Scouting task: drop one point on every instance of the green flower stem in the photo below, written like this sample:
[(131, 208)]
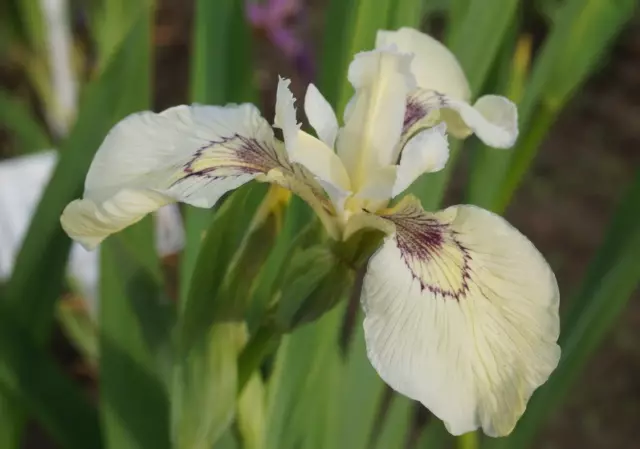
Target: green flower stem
[(263, 343), (468, 441)]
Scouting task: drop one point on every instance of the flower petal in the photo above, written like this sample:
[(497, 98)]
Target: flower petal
[(89, 223), (320, 115), (494, 119), (194, 154), (369, 138), (426, 152), (461, 315), (305, 149), (433, 65)]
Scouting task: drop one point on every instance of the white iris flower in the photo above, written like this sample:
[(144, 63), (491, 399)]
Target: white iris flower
[(461, 310)]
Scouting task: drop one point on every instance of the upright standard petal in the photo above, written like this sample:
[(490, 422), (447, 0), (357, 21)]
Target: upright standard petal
[(372, 131), (433, 65), (461, 314), (444, 86), (305, 149), (321, 116), (190, 154)]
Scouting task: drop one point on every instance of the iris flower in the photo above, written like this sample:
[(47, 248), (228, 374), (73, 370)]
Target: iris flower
[(461, 310)]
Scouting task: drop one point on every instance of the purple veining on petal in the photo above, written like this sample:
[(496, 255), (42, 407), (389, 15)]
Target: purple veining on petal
[(414, 111), (240, 154), (421, 240)]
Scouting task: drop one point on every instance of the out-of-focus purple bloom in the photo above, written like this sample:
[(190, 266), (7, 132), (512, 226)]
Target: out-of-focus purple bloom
[(277, 18)]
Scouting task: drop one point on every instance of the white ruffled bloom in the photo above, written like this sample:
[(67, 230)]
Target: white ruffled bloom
[(461, 310)]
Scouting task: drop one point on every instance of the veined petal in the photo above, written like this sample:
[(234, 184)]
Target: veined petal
[(370, 136), (433, 65), (494, 119), (461, 314), (305, 149), (426, 152), (193, 154), (320, 115)]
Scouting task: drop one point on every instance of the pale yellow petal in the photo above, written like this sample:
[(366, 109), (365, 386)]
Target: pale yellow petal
[(433, 64), (461, 315), (370, 136)]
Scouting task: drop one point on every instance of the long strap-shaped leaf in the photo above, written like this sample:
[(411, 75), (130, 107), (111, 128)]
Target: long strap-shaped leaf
[(582, 32), (221, 72), (39, 269)]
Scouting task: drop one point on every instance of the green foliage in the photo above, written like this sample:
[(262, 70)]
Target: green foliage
[(210, 331), (221, 72), (19, 122)]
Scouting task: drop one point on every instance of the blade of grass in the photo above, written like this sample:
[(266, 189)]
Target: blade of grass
[(205, 367), (28, 376), (396, 424), (221, 72), (362, 392), (405, 13), (582, 33), (351, 28), (490, 165), (135, 317), (292, 390), (43, 255), (133, 342), (21, 125)]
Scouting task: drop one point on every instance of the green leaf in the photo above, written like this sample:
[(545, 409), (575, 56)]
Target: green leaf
[(17, 119), (405, 13), (351, 28), (396, 424), (314, 282), (434, 435), (205, 389), (303, 359), (135, 325), (210, 330), (40, 265), (581, 34), (362, 391), (221, 72), (29, 377)]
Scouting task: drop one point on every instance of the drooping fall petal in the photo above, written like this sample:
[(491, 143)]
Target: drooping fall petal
[(192, 154), (461, 314)]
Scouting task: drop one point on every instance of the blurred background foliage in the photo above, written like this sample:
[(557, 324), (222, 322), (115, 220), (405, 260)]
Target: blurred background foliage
[(189, 351)]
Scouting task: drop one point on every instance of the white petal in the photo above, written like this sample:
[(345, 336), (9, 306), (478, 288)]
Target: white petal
[(305, 149), (320, 115), (285, 118), (368, 141), (433, 65), (494, 119), (89, 223), (191, 154), (461, 315), (426, 152)]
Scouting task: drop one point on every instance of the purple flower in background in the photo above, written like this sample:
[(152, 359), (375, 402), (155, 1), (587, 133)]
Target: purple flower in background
[(277, 18)]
